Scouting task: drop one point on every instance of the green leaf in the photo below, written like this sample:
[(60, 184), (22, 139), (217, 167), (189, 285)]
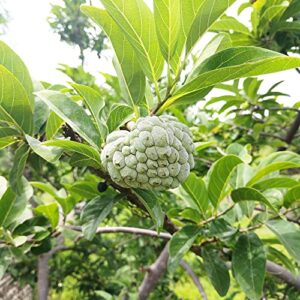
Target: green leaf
[(73, 114), (50, 211), (5, 261), (13, 63), (54, 122), (275, 162), (50, 154), (8, 132), (93, 101), (136, 21), (94, 213), (13, 205), (151, 203), (180, 244), (208, 12), (16, 172), (15, 105), (7, 141), (131, 76), (229, 24), (219, 176), (288, 234), (216, 270), (83, 149), (86, 190), (167, 22), (196, 188), (275, 182), (249, 265), (250, 194), (278, 255), (218, 43), (119, 115), (229, 64), (203, 145), (292, 196), (45, 187)]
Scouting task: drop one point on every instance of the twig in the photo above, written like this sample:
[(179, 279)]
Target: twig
[(195, 279), (132, 230), (154, 273)]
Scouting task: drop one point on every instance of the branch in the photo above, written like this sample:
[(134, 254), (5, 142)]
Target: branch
[(195, 279), (283, 274), (293, 130), (154, 272), (131, 230)]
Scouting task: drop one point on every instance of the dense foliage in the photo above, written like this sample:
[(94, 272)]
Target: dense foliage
[(233, 223)]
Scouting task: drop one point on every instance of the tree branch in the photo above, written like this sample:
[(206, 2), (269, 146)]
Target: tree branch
[(195, 279), (131, 230), (283, 274), (154, 272)]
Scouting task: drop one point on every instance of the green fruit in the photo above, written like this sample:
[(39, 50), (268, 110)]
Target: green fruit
[(157, 153)]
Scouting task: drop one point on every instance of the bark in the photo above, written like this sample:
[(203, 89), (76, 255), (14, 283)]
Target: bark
[(43, 276), (293, 130), (154, 273), (283, 274)]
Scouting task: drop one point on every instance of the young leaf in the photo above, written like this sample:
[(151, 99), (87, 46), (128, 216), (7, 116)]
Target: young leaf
[(72, 146), (207, 14), (50, 211), (288, 234), (93, 101), (6, 141), (196, 188), (73, 114), (167, 22), (50, 154), (292, 196), (94, 213), (249, 265), (16, 172), (229, 64), (15, 105), (229, 24), (250, 194), (54, 122), (13, 205), (119, 115), (180, 244), (275, 162), (216, 270), (275, 182), (136, 21), (13, 63), (219, 176), (151, 203), (218, 43)]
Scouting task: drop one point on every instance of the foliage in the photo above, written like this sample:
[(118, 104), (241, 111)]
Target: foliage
[(74, 28), (238, 210)]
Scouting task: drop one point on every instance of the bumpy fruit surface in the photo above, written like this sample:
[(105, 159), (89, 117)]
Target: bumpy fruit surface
[(156, 154)]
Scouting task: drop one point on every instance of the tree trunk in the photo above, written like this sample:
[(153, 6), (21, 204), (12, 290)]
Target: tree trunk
[(43, 276)]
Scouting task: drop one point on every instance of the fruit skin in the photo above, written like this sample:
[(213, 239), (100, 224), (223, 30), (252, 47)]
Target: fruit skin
[(157, 153)]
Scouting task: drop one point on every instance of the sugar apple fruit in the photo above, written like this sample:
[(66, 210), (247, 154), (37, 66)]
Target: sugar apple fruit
[(157, 153)]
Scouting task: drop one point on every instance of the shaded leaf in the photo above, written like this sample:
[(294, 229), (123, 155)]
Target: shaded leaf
[(180, 244), (216, 270), (288, 234), (119, 115), (73, 114), (219, 176), (249, 265), (94, 213)]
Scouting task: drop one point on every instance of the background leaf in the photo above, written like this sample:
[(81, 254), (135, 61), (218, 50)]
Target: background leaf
[(73, 114), (216, 270), (249, 263), (219, 176)]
